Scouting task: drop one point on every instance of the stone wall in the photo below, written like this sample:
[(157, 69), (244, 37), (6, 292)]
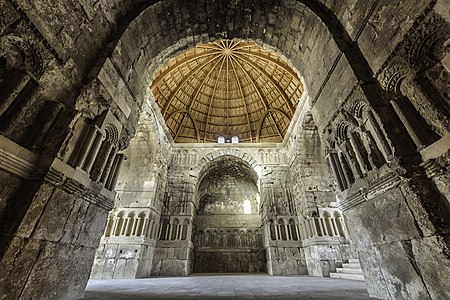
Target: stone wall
[(127, 247), (74, 76)]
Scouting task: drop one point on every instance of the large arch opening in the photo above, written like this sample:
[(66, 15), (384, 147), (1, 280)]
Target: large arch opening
[(227, 234), (70, 142)]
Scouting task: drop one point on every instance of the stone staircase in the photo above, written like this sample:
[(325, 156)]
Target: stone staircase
[(351, 271)]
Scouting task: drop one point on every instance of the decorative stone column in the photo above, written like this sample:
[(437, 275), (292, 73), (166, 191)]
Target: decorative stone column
[(85, 145), (425, 106), (357, 152), (114, 173), (334, 168), (400, 78), (90, 159), (404, 119), (379, 136)]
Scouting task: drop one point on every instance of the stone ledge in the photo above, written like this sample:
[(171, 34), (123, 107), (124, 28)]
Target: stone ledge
[(324, 240), (378, 187), (75, 182), (229, 250), (128, 240), (20, 161), (436, 149)]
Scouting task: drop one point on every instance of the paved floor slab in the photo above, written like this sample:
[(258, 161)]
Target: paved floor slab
[(227, 287)]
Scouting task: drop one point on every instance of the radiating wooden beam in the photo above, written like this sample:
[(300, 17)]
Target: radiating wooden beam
[(197, 132), (272, 80), (245, 101), (258, 134), (212, 97), (180, 63), (191, 102), (261, 95), (183, 82), (267, 58)]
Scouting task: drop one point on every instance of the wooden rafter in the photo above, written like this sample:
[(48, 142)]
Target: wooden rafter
[(245, 101), (181, 62), (227, 85), (183, 82), (192, 119), (272, 80), (211, 98), (263, 99), (192, 99), (268, 58), (261, 121)]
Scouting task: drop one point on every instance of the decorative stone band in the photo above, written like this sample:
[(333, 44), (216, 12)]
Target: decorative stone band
[(378, 187), (232, 152), (59, 174), (20, 161), (29, 166)]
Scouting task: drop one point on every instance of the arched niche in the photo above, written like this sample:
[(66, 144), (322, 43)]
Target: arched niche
[(228, 225)]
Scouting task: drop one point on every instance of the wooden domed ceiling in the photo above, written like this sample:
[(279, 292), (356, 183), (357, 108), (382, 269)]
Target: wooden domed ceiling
[(227, 88)]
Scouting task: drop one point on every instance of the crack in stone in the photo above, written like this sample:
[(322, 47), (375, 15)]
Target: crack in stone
[(407, 246)]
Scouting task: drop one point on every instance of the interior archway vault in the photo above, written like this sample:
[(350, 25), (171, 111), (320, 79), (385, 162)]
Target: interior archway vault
[(371, 145), (228, 235)]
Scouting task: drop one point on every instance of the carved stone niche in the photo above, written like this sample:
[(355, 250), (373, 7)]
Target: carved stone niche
[(20, 55), (308, 122), (94, 149), (427, 44), (412, 103)]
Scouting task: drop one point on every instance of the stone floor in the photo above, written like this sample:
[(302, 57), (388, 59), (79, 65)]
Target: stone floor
[(215, 286)]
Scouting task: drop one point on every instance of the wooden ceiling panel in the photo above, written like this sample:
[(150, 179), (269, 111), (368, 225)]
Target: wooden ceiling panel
[(227, 87)]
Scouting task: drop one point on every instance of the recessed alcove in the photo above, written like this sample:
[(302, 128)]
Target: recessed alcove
[(228, 234)]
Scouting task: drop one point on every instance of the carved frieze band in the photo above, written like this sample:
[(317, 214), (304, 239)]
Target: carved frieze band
[(19, 161), (74, 187), (379, 187), (234, 152), (28, 166)]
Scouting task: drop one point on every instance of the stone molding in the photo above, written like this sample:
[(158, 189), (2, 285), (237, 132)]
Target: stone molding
[(59, 174), (39, 36), (423, 46), (21, 54), (378, 187), (222, 152), (20, 161), (29, 166)]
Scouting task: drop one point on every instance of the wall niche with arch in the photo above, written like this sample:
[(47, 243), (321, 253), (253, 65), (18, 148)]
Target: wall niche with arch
[(228, 234)]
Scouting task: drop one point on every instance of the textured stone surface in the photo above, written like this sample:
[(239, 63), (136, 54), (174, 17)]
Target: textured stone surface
[(231, 286), (376, 88)]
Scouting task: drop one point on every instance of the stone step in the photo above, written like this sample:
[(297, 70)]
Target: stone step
[(353, 261), (349, 271), (351, 266), (358, 277)]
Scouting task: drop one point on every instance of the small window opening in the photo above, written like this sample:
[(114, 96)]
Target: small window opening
[(247, 207)]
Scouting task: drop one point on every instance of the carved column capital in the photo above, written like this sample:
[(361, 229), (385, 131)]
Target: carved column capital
[(427, 44), (20, 54), (392, 76)]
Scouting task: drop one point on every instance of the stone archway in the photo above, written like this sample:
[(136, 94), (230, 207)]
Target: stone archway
[(228, 229), (338, 60)]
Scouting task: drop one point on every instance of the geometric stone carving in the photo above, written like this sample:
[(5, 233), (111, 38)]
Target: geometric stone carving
[(378, 187), (20, 55)]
